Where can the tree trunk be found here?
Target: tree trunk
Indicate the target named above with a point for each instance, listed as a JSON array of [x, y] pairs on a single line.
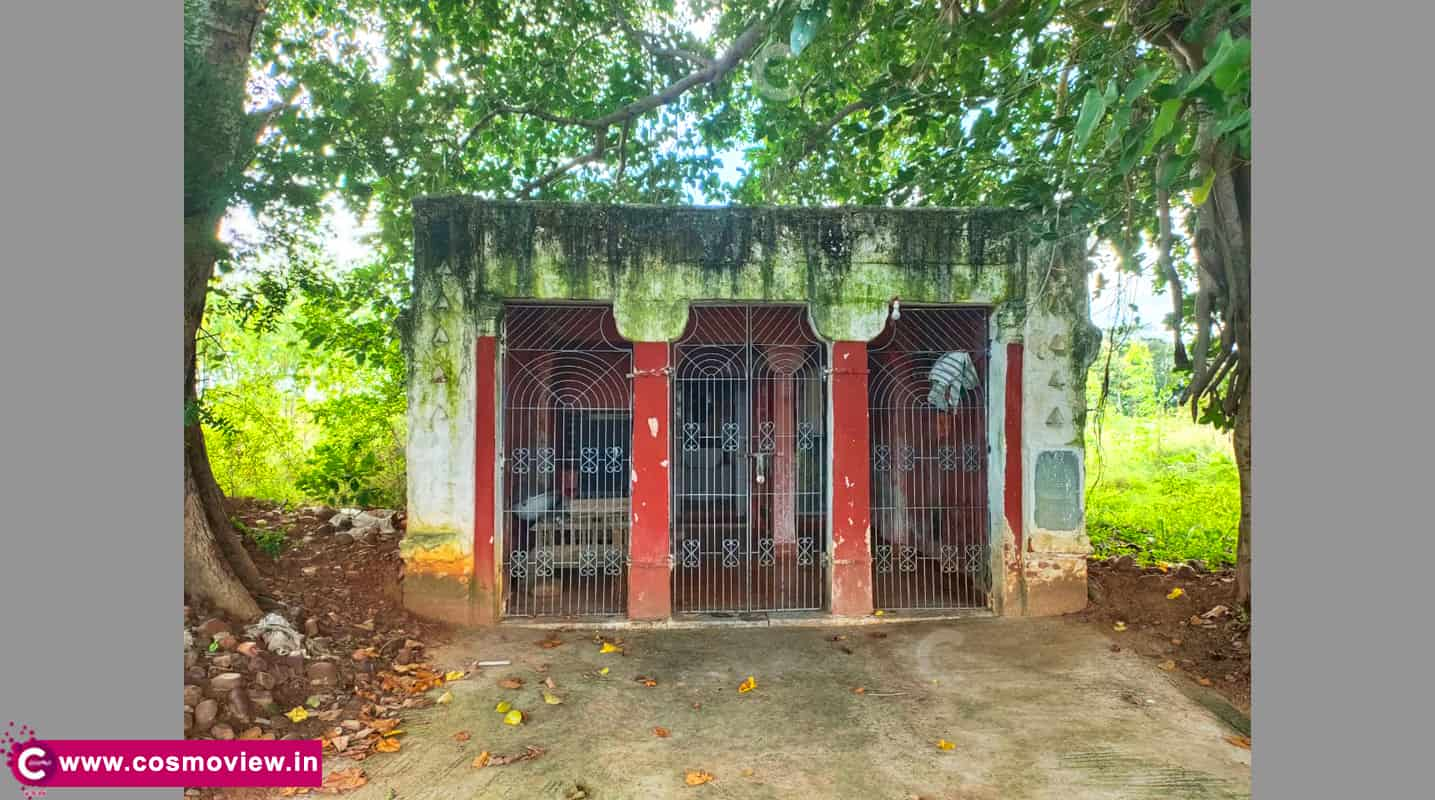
[[1242, 441], [216, 565], [218, 38]]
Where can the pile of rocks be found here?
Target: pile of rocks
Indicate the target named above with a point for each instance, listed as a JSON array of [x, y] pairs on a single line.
[[351, 525], [234, 687]]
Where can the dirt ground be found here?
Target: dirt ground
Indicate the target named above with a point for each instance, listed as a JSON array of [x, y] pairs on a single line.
[[1211, 650], [1031, 708]]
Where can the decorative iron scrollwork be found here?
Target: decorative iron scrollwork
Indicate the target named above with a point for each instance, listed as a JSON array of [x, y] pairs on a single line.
[[730, 552], [518, 564], [907, 558], [690, 436], [615, 459], [692, 553], [612, 561], [805, 434], [520, 460], [976, 555], [766, 438], [949, 557], [766, 555], [906, 458], [543, 566], [587, 562], [588, 460], [971, 458], [947, 458], [729, 437], [882, 457], [884, 558], [804, 551], [545, 460]]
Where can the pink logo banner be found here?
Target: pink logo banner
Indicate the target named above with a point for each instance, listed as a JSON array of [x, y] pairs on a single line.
[[157, 763]]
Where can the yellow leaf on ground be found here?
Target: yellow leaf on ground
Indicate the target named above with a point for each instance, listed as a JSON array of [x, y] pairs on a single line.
[[513, 717], [697, 777], [609, 647], [552, 699], [445, 698], [1118, 627], [503, 707], [387, 746], [453, 675], [943, 744], [603, 671], [1169, 666], [879, 612], [297, 714], [747, 685], [1175, 593], [482, 760], [1243, 742]]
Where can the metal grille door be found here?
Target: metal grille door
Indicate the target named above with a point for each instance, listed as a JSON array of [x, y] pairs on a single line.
[[567, 433], [927, 397], [750, 462]]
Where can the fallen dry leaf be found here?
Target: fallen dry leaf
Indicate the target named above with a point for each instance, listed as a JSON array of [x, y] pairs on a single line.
[[513, 717], [1243, 742], [511, 683], [661, 732], [552, 699], [454, 675], [384, 725], [1218, 611], [482, 760], [646, 681], [609, 647], [697, 777], [943, 744], [603, 671], [529, 753], [1204, 681], [445, 698], [1175, 593], [461, 736], [1119, 626], [344, 780], [503, 707], [550, 684], [747, 685], [859, 690], [549, 643], [387, 745], [297, 714], [1168, 665]]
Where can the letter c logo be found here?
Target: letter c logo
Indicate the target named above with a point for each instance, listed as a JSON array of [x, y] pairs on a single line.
[[22, 763]]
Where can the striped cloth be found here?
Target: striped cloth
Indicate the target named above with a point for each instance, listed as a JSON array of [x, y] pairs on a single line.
[[953, 375]]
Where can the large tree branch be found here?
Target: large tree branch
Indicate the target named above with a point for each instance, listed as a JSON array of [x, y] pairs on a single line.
[[741, 48]]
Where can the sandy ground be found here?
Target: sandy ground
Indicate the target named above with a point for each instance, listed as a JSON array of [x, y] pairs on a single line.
[[1035, 709]]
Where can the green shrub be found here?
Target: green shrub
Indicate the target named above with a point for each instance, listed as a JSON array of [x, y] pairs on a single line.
[[270, 542]]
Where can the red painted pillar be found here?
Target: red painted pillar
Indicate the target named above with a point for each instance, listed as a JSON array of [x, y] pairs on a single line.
[[851, 482], [1012, 483], [486, 586], [649, 577]]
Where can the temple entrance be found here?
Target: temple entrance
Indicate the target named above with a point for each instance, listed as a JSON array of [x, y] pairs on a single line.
[[750, 461], [567, 435], [927, 385]]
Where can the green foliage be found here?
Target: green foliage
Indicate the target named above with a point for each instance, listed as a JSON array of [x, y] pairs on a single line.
[[1162, 488], [1159, 486], [272, 543], [303, 385]]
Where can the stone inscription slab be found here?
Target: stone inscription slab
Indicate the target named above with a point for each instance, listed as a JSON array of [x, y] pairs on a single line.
[[1058, 490]]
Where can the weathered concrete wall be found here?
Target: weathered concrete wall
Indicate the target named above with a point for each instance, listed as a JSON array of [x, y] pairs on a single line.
[[651, 263]]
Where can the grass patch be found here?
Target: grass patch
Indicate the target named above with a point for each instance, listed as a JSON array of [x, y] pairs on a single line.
[[270, 542], [1162, 488]]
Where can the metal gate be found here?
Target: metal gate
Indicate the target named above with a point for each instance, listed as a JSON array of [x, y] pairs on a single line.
[[567, 434], [750, 461], [927, 379]]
